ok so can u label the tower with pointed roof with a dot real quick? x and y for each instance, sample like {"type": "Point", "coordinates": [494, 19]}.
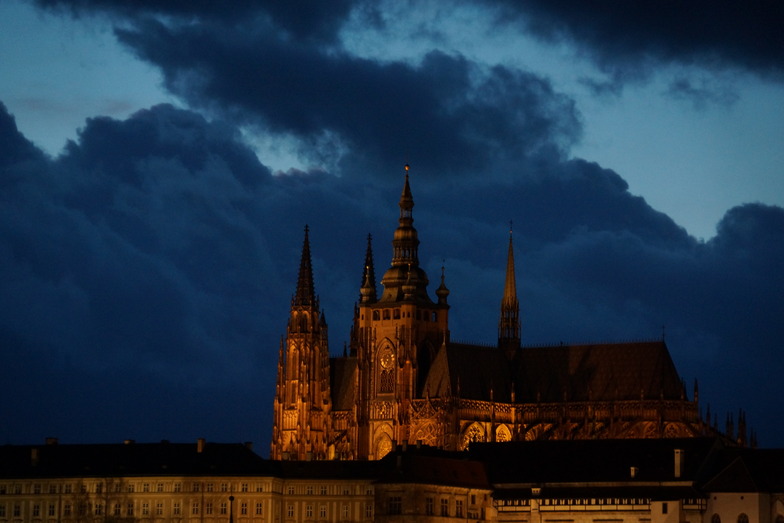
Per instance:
{"type": "Point", "coordinates": [302, 405]}
{"type": "Point", "coordinates": [394, 340]}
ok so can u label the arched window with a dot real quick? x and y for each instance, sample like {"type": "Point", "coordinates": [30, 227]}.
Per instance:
{"type": "Point", "coordinates": [715, 518]}
{"type": "Point", "coordinates": [376, 315]}
{"type": "Point", "coordinates": [743, 518]}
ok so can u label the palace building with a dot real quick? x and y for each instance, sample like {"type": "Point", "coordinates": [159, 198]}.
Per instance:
{"type": "Point", "coordinates": [404, 381]}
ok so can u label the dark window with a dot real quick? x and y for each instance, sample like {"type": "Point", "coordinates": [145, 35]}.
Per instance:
{"type": "Point", "coordinates": [395, 505]}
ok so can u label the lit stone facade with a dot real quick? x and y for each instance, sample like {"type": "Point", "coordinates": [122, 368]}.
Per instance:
{"type": "Point", "coordinates": [404, 381]}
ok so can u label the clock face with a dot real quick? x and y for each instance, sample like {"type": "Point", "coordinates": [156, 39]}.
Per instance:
{"type": "Point", "coordinates": [386, 359]}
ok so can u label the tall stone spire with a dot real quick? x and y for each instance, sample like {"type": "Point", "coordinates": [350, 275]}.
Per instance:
{"type": "Point", "coordinates": [509, 323]}
{"type": "Point", "coordinates": [305, 294]}
{"type": "Point", "coordinates": [303, 399]}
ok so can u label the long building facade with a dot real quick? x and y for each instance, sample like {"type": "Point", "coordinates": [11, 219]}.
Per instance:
{"type": "Point", "coordinates": [693, 480]}
{"type": "Point", "coordinates": [404, 381]}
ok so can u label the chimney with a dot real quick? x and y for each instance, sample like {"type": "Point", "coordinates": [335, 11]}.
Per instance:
{"type": "Point", "coordinates": [52, 441]}
{"type": "Point", "coordinates": [129, 442]}
{"type": "Point", "coordinates": [633, 472]}
{"type": "Point", "coordinates": [678, 455]}
{"type": "Point", "coordinates": [34, 456]}
{"type": "Point", "coordinates": [200, 445]}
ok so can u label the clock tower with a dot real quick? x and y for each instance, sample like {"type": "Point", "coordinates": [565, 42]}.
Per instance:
{"type": "Point", "coordinates": [395, 339]}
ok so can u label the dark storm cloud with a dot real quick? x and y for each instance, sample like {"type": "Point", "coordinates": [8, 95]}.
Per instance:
{"type": "Point", "coordinates": [353, 114]}
{"type": "Point", "coordinates": [318, 21]}
{"type": "Point", "coordinates": [163, 268]}
{"type": "Point", "coordinates": [453, 114]}
{"type": "Point", "coordinates": [626, 38]}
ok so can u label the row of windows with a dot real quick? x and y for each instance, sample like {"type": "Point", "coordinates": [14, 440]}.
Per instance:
{"type": "Point", "coordinates": [123, 486]}
{"type": "Point", "coordinates": [345, 510]}
{"type": "Point", "coordinates": [323, 490]}
{"type": "Point", "coordinates": [444, 507]}
{"type": "Point", "coordinates": [129, 509]}
{"type": "Point", "coordinates": [394, 314]}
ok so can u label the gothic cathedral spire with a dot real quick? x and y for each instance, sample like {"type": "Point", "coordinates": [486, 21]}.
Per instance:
{"type": "Point", "coordinates": [302, 398]}
{"type": "Point", "coordinates": [509, 324]}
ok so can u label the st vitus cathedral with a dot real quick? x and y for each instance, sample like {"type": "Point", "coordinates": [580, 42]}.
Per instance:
{"type": "Point", "coordinates": [403, 380]}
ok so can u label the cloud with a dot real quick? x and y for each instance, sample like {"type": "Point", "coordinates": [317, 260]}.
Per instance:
{"type": "Point", "coordinates": [453, 114]}
{"type": "Point", "coordinates": [627, 38]}
{"type": "Point", "coordinates": [157, 248]}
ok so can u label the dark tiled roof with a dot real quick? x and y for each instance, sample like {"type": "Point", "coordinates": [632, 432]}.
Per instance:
{"type": "Point", "coordinates": [745, 470]}
{"type": "Point", "coordinates": [603, 372]}
{"type": "Point", "coordinates": [537, 462]}
{"type": "Point", "coordinates": [132, 459]}
{"type": "Point", "coordinates": [433, 467]}
{"type": "Point", "coordinates": [342, 382]}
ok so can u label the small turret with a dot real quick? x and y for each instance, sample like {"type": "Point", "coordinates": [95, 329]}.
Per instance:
{"type": "Point", "coordinates": [442, 292]}
{"type": "Point", "coordinates": [367, 291]}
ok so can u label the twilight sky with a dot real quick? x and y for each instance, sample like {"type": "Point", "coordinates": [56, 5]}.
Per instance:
{"type": "Point", "coordinates": [159, 160]}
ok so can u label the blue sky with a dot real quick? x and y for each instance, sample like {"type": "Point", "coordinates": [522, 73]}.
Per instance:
{"type": "Point", "coordinates": [160, 161]}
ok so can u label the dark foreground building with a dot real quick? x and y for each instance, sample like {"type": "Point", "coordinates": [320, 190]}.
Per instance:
{"type": "Point", "coordinates": [694, 480]}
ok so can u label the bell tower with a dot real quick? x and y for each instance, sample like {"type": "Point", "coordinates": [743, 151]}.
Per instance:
{"type": "Point", "coordinates": [395, 338]}
{"type": "Point", "coordinates": [303, 403]}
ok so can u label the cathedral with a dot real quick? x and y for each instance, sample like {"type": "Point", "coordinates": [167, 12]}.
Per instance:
{"type": "Point", "coordinates": [403, 381]}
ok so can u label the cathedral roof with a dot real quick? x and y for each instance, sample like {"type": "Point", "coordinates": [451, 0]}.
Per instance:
{"type": "Point", "coordinates": [602, 372]}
